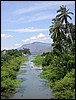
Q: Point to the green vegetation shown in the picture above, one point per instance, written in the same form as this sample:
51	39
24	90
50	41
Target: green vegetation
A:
59	64
22	71
38	60
26	51
10	64
9	54
65	88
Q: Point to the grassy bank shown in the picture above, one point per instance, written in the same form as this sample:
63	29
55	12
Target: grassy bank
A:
9	71
38	60
59	73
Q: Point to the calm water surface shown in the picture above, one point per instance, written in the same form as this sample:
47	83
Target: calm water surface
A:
32	86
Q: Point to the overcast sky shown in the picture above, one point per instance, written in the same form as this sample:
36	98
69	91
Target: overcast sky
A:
24	22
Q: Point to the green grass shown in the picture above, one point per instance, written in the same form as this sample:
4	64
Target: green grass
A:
9	71
22	71
38	60
44	74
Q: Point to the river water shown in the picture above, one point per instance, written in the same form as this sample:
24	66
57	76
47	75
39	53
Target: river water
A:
32	86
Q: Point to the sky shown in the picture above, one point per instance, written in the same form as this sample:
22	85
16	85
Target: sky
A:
24	22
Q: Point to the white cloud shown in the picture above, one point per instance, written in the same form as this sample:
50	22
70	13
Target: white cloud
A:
40	17
35	17
4	48
14	46
27	30
33	38
40	37
6	36
18	45
42	6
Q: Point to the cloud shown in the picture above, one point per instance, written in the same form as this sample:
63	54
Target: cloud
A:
40	37
4	48
14	46
40	17
35	17
6	36
18	45
42	6
27	30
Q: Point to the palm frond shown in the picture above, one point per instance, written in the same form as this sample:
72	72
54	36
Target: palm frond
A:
59	10
59	15
70	13
67	10
62	20
69	17
53	19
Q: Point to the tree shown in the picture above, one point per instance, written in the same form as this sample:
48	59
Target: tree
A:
64	14
59	65
57	34
26	51
58	29
55	29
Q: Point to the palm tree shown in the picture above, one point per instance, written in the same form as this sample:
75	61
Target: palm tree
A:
56	33
64	14
71	29
55	29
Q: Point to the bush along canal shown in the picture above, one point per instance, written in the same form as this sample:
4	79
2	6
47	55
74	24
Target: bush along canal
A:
32	85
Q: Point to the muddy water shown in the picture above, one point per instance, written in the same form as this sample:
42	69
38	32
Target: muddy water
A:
32	86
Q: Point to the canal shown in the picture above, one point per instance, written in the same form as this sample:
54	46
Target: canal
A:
32	86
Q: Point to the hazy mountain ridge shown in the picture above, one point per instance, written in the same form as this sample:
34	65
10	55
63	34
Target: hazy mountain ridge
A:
37	47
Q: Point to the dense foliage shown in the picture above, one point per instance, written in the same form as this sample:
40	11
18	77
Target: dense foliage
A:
6	55
10	64
59	64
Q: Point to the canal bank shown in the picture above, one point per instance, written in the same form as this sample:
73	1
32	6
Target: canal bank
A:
32	86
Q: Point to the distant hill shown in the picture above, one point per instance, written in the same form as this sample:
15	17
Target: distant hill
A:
37	47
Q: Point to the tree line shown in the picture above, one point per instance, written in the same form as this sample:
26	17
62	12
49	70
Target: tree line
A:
10	64
59	64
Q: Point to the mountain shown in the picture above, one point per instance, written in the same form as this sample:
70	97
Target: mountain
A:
37	47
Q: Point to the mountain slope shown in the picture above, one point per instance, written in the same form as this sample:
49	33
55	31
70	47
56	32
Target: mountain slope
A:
37	47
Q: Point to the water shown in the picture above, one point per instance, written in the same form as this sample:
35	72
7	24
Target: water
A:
32	86
36	53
